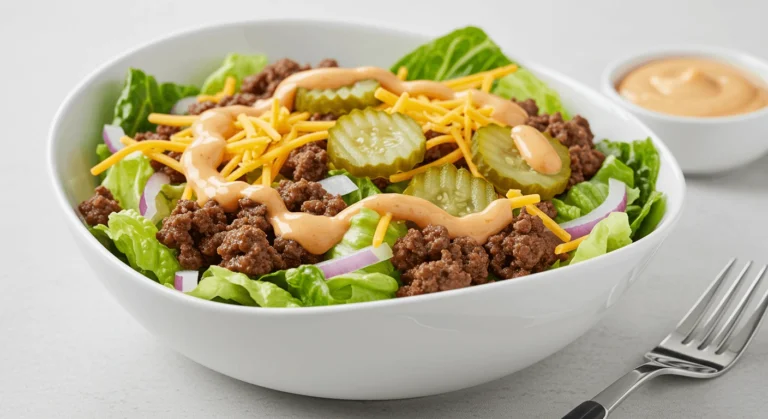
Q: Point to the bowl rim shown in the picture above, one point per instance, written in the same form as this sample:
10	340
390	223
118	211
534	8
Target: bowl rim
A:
672	215
737	58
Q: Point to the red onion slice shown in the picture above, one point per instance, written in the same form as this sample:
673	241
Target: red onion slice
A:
112	135
338	185
182	106
616	201
185	281
148	202
355	261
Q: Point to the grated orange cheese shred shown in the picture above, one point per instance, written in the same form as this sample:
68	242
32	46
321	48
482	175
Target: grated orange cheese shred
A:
549	223
266	175
231	164
137	146
381	229
514	193
569	246
172	120
402	73
451	157
267	128
229	86
270	155
524	201
487	83
464	147
442	139
187	194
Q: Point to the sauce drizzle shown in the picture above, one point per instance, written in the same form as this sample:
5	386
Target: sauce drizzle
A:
319	233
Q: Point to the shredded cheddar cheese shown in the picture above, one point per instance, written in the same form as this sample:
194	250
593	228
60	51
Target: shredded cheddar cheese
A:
187	194
229	86
451	157
266	175
402	73
442	139
549	223
524	201
172	120
381	229
569	246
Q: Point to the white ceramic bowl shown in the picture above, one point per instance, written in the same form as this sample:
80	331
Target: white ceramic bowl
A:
391	349
701	145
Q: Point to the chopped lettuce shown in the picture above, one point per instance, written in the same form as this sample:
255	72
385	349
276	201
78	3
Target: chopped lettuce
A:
588	195
102	152
522	84
468	51
365	187
134	236
649	215
460	53
308	284
398	187
235	65
166	200
127	178
360	235
608	235
141	96
565	212
223	285
642	157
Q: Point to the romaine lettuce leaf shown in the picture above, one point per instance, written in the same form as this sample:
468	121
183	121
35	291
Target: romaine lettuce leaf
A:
102	152
460	53
365	187
141	96
649	216
611	233
565	212
642	157
522	84
308	284
236	65
134	236
127	178
468	51
360	235
223	285
588	195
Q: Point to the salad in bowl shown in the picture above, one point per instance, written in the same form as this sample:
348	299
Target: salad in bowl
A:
280	184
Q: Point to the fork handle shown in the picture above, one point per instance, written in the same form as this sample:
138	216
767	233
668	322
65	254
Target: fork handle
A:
602	404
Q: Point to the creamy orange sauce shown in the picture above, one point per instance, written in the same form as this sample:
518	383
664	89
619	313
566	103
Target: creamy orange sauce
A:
693	87
319	233
536	150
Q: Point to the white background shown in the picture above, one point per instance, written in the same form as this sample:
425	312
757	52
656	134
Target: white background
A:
68	350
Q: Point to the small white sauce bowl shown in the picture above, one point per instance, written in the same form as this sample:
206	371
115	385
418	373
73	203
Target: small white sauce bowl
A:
702	145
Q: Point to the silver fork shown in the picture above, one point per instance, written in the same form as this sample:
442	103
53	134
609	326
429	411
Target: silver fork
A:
696	348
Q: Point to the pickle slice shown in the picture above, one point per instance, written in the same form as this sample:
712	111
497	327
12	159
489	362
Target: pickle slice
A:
497	158
454	190
337	101
375	144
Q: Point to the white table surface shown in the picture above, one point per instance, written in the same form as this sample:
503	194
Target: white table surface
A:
68	350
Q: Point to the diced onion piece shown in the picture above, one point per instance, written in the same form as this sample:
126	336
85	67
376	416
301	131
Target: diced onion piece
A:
182	106
148	202
355	261
185	281
616	201
112	135
338	185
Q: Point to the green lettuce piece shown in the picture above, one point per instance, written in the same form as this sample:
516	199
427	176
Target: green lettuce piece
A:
127	178
235	65
616	169
365	187
142	95
102	152
166	200
398	187
649	215
522	85
565	212
134	236
223	285
642	157
468	51
308	284
360	235
611	233
460	53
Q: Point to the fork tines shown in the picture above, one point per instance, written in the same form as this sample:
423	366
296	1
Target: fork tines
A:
713	334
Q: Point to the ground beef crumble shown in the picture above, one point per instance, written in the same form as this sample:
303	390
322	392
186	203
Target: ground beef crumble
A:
263	84
97	208
308	162
431	261
574	134
196	232
524	247
310	197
